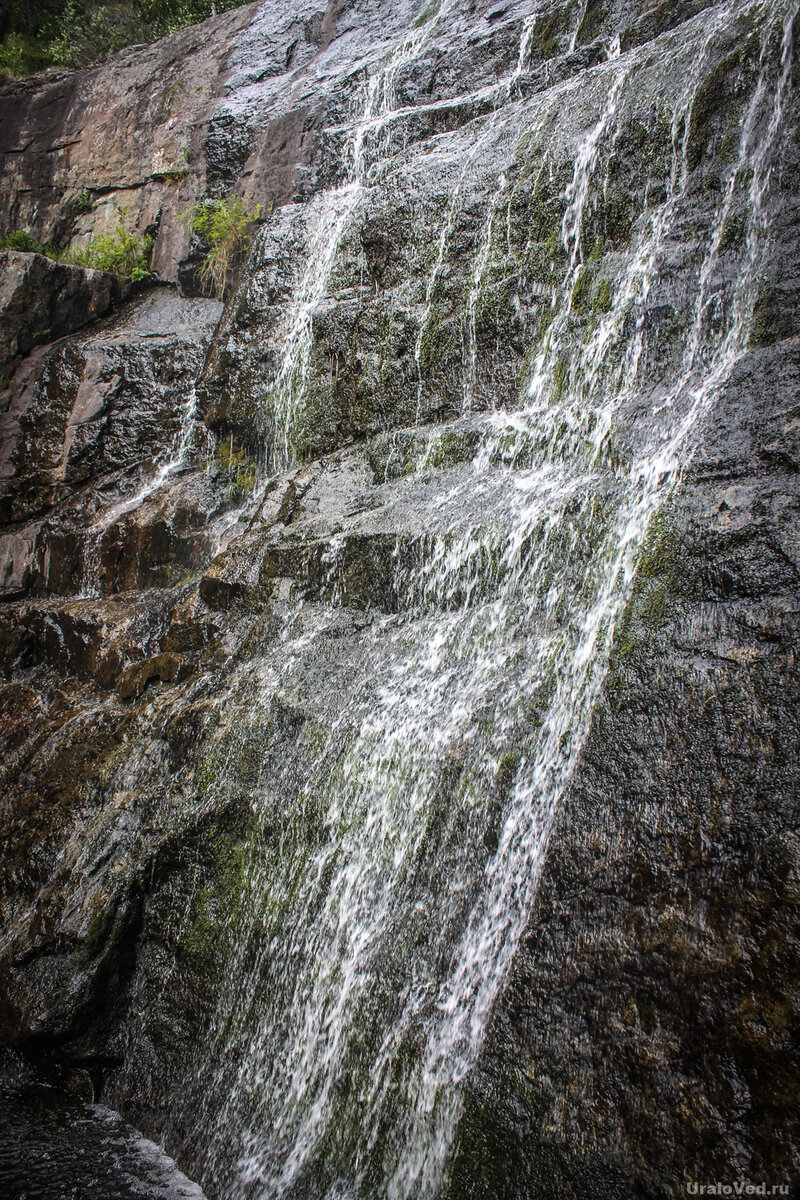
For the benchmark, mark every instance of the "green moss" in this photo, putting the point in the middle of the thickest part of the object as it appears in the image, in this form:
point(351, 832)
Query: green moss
point(490, 1159)
point(560, 378)
point(597, 248)
point(589, 297)
point(427, 14)
point(617, 209)
point(660, 550)
point(591, 22)
point(773, 318)
point(97, 933)
point(653, 595)
point(603, 298)
point(716, 104)
point(506, 772)
point(547, 33)
point(580, 300)
point(708, 101)
point(216, 905)
point(450, 448)
point(207, 775)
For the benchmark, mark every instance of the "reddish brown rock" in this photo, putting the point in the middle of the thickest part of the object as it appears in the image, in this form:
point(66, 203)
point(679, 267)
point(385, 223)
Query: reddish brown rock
point(80, 146)
point(134, 679)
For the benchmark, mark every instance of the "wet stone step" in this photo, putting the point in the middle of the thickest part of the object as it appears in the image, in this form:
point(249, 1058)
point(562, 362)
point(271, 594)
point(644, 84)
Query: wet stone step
point(54, 1147)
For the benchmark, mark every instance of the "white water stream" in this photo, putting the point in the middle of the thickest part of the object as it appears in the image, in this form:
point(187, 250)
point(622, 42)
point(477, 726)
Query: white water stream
point(373, 948)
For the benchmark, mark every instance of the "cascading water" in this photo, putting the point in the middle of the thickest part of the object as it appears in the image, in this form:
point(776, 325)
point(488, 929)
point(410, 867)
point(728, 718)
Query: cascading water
point(389, 886)
point(176, 457)
point(324, 233)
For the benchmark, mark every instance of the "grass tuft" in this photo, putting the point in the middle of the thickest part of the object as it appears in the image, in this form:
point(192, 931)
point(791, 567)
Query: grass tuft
point(223, 225)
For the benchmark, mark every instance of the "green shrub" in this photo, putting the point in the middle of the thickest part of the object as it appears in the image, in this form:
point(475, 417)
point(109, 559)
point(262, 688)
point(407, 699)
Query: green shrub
point(20, 55)
point(120, 251)
point(83, 201)
point(22, 240)
point(86, 33)
point(223, 226)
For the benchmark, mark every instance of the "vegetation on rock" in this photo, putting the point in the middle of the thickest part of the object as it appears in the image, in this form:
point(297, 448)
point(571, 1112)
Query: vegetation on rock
point(222, 225)
point(21, 240)
point(240, 469)
point(119, 251)
point(82, 32)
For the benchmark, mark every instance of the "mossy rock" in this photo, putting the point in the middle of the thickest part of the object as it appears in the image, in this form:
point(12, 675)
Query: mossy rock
point(717, 102)
point(591, 24)
point(655, 594)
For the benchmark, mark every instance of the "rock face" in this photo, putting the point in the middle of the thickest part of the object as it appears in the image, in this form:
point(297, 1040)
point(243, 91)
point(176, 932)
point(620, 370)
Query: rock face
point(52, 1141)
point(88, 417)
point(399, 717)
point(41, 300)
point(79, 147)
point(654, 993)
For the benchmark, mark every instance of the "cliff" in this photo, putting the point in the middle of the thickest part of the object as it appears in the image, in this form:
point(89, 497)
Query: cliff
point(399, 716)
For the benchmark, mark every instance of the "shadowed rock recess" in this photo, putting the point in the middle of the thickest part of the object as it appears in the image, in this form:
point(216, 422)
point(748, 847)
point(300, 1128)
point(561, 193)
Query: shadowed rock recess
point(399, 714)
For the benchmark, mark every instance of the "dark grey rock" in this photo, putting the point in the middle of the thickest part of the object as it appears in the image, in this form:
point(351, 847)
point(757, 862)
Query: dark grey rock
point(41, 300)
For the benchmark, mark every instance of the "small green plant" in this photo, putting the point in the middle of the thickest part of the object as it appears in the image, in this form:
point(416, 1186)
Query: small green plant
point(22, 240)
point(240, 469)
point(83, 201)
point(119, 251)
point(223, 225)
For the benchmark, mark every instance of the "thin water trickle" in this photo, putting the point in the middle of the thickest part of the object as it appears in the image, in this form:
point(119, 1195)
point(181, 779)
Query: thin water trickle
point(176, 457)
point(330, 217)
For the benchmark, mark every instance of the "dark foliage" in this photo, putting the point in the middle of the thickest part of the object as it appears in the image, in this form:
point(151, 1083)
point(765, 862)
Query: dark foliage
point(81, 32)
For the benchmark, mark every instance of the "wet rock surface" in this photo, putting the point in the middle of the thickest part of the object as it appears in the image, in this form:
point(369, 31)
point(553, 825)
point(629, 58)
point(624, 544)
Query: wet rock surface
point(254, 560)
point(100, 412)
point(666, 926)
point(41, 300)
point(54, 1145)
point(79, 147)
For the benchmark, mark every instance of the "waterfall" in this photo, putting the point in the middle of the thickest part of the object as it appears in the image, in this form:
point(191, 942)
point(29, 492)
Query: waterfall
point(326, 225)
point(391, 880)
